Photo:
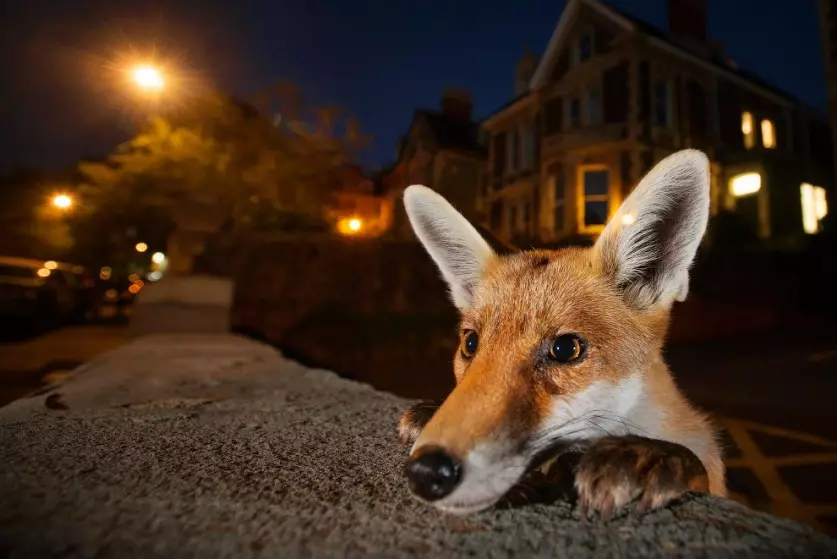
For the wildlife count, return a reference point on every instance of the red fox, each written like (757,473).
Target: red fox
(564,347)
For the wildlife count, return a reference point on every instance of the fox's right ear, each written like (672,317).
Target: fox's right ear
(452,242)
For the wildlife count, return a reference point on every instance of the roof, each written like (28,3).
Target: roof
(660,39)
(451,133)
(506,105)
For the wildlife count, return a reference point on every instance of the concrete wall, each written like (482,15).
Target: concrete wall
(378,312)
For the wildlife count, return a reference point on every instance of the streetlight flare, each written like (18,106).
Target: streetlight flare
(141,247)
(148,77)
(62,201)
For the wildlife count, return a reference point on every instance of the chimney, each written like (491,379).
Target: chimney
(687,20)
(456,104)
(523,72)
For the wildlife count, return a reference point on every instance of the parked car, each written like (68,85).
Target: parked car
(33,294)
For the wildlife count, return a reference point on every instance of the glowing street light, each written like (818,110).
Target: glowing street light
(62,201)
(355,224)
(158,257)
(141,247)
(148,78)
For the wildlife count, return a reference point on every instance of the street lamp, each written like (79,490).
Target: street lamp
(62,201)
(148,78)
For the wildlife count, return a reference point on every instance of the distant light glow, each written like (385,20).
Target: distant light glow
(134,288)
(745,184)
(43,273)
(768,134)
(50,264)
(62,201)
(141,247)
(133,278)
(105,273)
(814,207)
(155,275)
(748,129)
(350,225)
(158,257)
(148,77)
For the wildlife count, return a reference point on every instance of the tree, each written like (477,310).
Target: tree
(219,162)
(29,225)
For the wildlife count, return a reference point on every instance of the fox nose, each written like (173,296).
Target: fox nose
(432,473)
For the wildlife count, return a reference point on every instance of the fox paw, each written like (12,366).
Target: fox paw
(413,421)
(614,471)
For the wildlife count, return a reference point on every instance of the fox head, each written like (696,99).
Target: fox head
(555,345)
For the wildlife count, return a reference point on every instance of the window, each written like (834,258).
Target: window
(498,155)
(662,103)
(594,107)
(748,130)
(524,218)
(556,180)
(596,194)
(768,134)
(496,216)
(575,113)
(514,151)
(745,184)
(584,47)
(528,147)
(553,114)
(814,207)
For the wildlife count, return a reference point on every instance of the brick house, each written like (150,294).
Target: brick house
(441,150)
(612,95)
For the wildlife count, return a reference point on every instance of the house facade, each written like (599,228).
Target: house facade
(611,96)
(441,150)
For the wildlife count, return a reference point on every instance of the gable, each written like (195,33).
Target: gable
(419,137)
(579,17)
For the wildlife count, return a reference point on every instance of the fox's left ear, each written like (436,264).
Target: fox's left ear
(454,244)
(651,242)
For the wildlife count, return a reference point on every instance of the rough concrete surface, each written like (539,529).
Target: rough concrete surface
(214,446)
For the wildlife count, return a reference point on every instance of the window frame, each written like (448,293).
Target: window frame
(583,198)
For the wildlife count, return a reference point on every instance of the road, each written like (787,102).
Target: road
(27,364)
(786,379)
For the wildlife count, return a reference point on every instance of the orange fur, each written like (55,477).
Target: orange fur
(512,401)
(519,304)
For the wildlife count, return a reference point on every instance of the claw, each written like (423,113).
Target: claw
(607,508)
(583,510)
(642,506)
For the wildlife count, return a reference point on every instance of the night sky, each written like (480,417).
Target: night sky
(61,98)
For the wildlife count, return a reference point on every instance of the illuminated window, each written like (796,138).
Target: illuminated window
(768,134)
(748,129)
(745,184)
(814,207)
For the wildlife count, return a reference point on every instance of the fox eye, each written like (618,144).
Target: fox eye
(470,342)
(567,348)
